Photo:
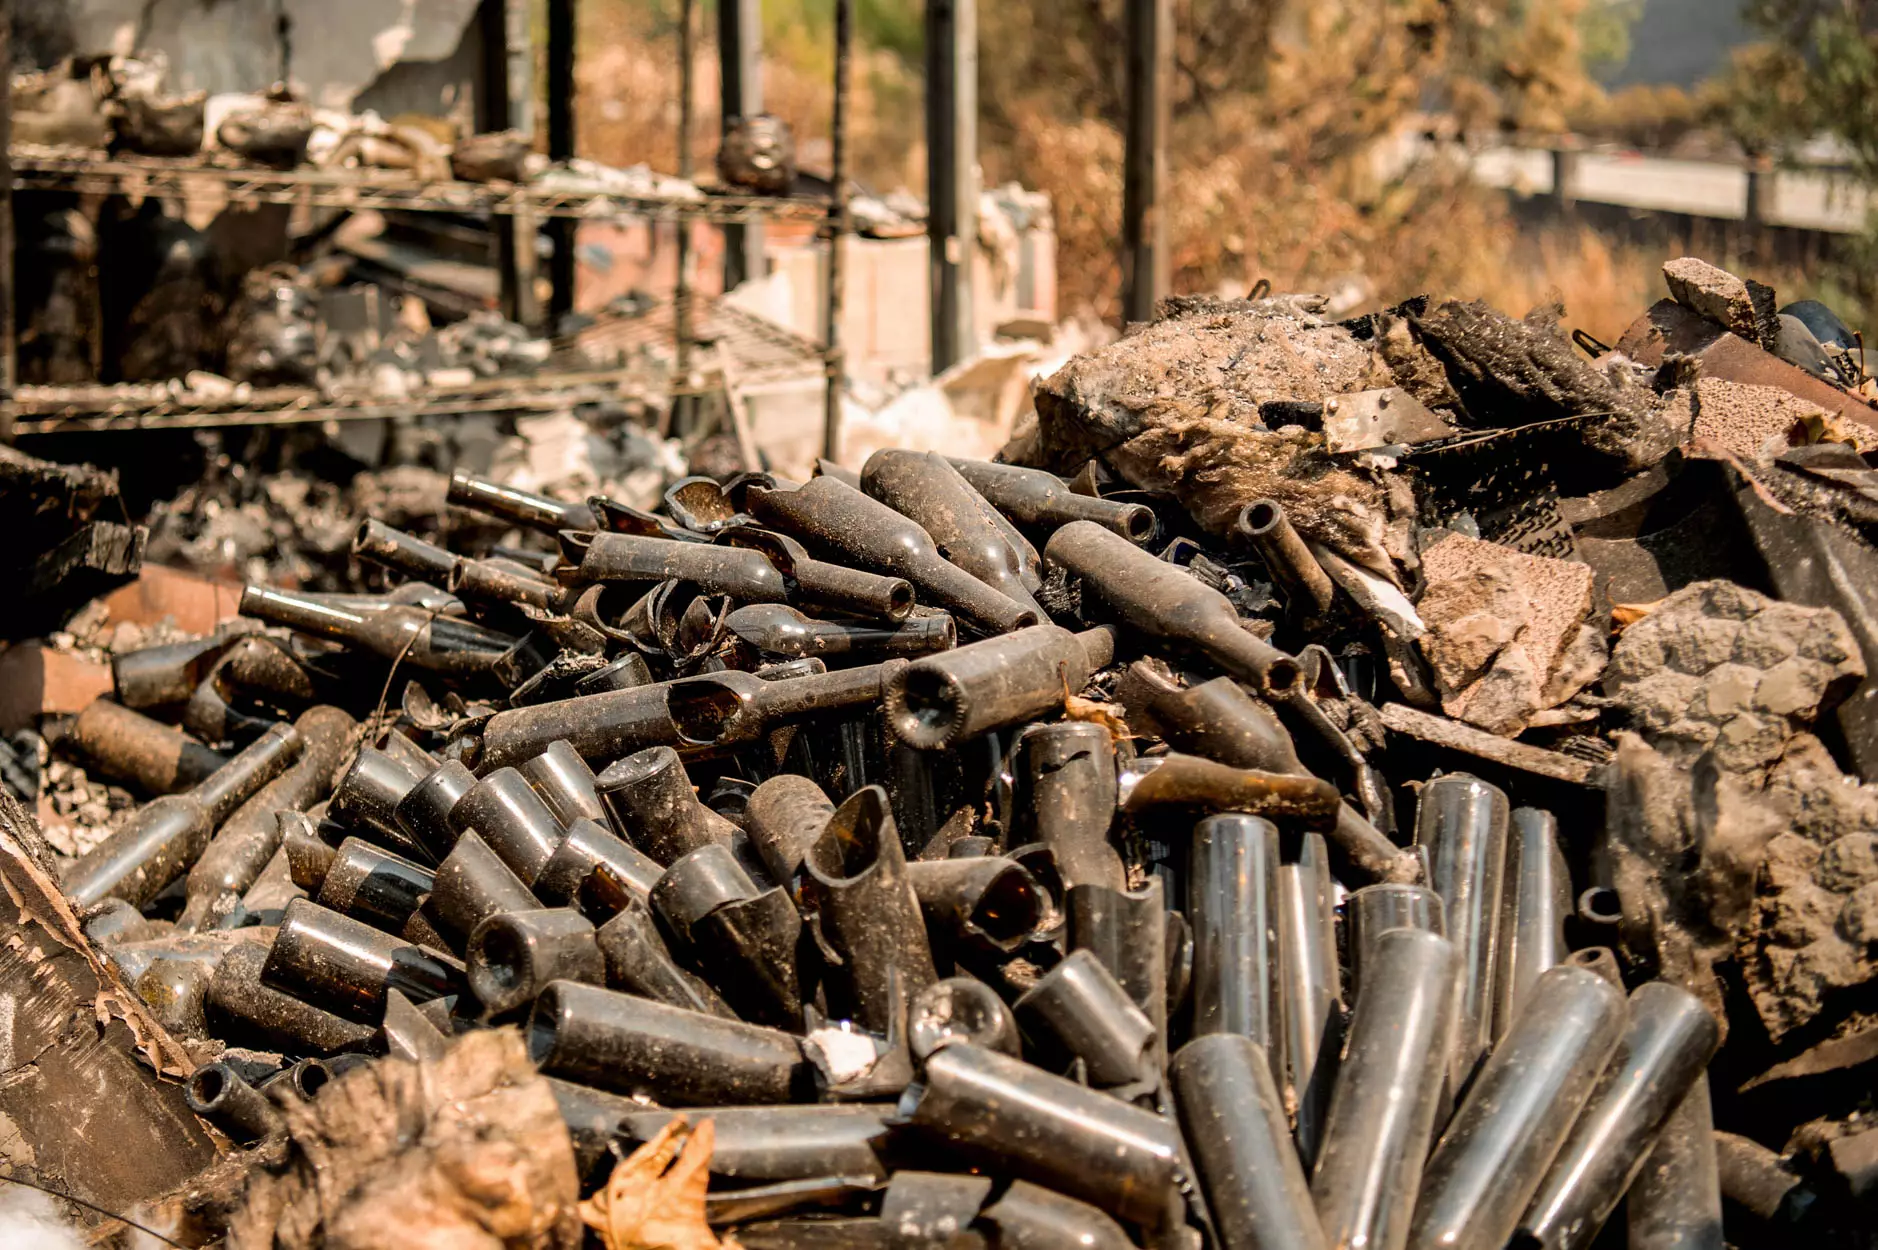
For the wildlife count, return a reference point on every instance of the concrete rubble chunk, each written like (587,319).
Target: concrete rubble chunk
(1754,422)
(1686,843)
(1713,293)
(1500,625)
(1815,931)
(1720,668)
(1174,407)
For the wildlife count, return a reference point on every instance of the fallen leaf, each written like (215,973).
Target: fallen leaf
(1624,615)
(653,1203)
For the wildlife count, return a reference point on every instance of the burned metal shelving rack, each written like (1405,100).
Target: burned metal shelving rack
(38,409)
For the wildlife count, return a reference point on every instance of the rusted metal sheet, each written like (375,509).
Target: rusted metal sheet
(1670,329)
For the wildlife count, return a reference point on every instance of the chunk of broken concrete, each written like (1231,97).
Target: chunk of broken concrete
(1684,845)
(1175,407)
(1714,293)
(1815,931)
(1500,626)
(1717,667)
(1756,423)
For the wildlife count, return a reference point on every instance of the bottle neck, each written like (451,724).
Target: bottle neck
(519,506)
(310,615)
(235,782)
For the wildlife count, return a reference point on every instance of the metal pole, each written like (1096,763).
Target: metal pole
(837,232)
(740,66)
(952,173)
(504,105)
(561,230)
(9,328)
(1144,228)
(681,291)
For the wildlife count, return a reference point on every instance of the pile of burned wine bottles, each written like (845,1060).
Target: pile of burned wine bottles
(948,836)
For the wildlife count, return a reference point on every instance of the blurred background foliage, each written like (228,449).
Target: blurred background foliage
(1288,118)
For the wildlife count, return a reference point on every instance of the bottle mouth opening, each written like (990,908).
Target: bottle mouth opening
(207,1087)
(926,708)
(1138,523)
(310,1076)
(851,844)
(1009,909)
(499,959)
(1261,517)
(1600,905)
(1284,677)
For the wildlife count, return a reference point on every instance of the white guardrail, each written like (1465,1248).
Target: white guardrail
(1800,199)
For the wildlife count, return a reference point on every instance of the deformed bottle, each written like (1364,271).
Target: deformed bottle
(1045,501)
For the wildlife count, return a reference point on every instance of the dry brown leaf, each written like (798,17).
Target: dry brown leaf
(1624,615)
(1075,707)
(652,1203)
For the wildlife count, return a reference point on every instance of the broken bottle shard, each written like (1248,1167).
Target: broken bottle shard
(856,878)
(1069,769)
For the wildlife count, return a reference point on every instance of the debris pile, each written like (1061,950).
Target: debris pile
(1398,781)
